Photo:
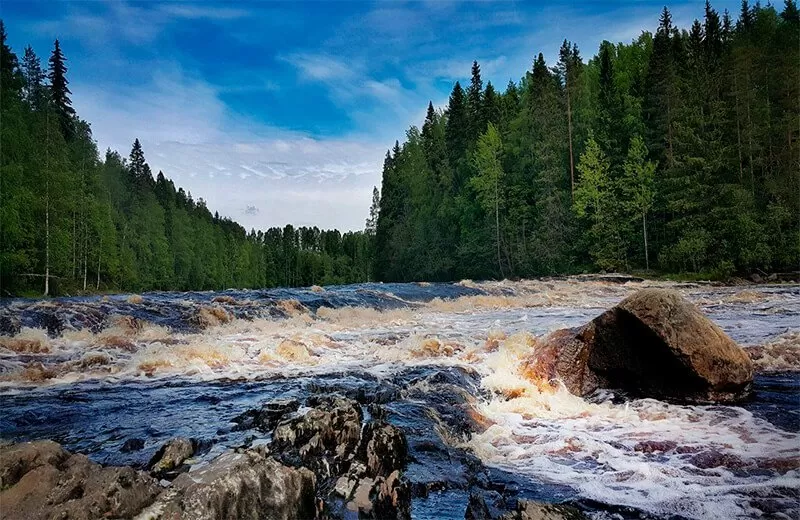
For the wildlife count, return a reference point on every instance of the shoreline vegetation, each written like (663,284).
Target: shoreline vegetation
(677,152)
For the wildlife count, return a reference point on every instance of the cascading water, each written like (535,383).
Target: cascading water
(443,359)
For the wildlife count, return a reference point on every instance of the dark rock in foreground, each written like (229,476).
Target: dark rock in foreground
(358,467)
(653,344)
(248,486)
(40,480)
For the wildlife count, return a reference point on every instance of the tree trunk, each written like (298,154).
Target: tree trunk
(99,255)
(738,126)
(47,239)
(497,224)
(571,156)
(644,233)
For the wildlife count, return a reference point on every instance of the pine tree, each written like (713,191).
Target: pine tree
(140,171)
(456,134)
(475,110)
(491,105)
(610,126)
(10,78)
(59,91)
(34,90)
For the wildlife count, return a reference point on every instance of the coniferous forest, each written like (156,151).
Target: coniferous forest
(678,152)
(71,221)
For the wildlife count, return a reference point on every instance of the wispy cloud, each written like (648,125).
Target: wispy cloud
(319,66)
(201,11)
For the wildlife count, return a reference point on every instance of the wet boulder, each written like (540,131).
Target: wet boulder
(324,439)
(268,416)
(249,485)
(169,459)
(654,344)
(384,448)
(41,480)
(358,466)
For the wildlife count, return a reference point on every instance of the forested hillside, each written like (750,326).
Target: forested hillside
(678,152)
(72,222)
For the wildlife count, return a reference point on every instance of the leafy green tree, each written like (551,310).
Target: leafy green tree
(486,183)
(638,185)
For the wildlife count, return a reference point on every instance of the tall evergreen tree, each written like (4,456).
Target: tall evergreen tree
(456,133)
(475,108)
(59,90)
(34,89)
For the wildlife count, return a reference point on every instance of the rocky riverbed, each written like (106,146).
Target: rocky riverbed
(397,401)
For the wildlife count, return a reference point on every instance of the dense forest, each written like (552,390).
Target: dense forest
(678,152)
(71,221)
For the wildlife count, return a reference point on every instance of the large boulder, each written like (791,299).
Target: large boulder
(40,480)
(248,485)
(653,344)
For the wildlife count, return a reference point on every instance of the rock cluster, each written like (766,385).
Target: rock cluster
(654,344)
(358,466)
(327,463)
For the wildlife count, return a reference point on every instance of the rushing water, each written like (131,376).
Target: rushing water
(443,360)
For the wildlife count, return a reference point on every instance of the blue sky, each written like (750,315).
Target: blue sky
(280,112)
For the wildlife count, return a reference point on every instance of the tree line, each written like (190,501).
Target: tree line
(74,222)
(679,152)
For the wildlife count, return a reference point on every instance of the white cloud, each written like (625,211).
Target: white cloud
(319,66)
(195,12)
(233,163)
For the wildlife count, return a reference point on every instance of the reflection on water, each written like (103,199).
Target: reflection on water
(92,373)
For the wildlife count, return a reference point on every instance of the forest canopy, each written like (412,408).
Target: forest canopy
(677,152)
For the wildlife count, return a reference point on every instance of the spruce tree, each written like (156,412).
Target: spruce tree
(10,77)
(491,105)
(456,133)
(34,90)
(477,123)
(59,91)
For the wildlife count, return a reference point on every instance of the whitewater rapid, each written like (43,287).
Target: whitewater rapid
(658,458)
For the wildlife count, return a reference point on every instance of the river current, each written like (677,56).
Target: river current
(443,360)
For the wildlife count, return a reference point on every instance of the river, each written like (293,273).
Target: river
(94,372)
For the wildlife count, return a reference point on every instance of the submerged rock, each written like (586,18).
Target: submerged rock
(248,486)
(40,480)
(654,344)
(132,445)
